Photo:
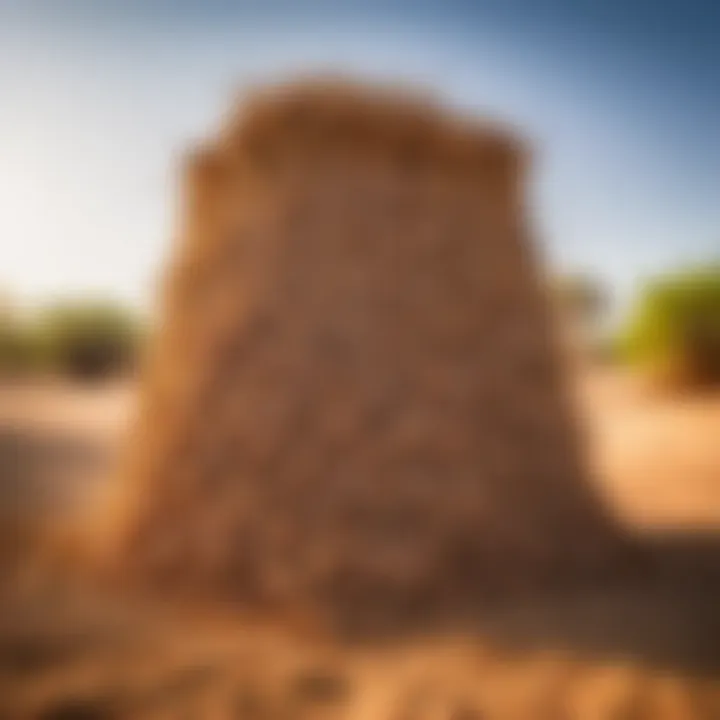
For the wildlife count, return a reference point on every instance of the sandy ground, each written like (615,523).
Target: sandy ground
(648,647)
(656,457)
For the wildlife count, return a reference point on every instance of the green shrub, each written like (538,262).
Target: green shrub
(87,340)
(19,348)
(674,328)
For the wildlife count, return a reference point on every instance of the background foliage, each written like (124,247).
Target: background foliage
(674,327)
(80,339)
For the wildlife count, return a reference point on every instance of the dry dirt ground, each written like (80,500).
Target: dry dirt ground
(647,646)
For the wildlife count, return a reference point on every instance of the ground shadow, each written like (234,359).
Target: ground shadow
(665,612)
(42,471)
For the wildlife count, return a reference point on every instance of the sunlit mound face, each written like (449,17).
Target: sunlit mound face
(354,400)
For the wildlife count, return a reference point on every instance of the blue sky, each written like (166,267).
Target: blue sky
(621,101)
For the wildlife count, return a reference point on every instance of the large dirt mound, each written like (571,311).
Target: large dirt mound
(353,403)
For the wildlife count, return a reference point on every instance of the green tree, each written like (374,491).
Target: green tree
(88,339)
(674,327)
(19,352)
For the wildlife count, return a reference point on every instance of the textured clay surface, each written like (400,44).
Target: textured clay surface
(353,403)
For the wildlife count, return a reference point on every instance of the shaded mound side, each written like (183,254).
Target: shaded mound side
(354,400)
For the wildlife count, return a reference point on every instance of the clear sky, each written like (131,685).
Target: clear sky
(621,100)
